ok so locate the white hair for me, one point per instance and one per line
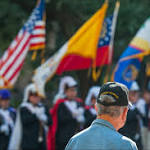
(113, 111)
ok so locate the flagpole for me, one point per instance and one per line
(115, 16)
(111, 45)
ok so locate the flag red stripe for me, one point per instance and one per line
(35, 44)
(39, 27)
(38, 35)
(15, 59)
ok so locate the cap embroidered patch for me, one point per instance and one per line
(111, 93)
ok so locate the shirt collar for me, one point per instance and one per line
(104, 123)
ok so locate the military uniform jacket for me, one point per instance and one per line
(101, 135)
(4, 137)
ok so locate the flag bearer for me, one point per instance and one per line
(67, 113)
(31, 123)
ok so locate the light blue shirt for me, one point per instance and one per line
(101, 135)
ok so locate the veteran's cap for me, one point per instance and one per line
(118, 92)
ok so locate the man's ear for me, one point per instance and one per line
(96, 108)
(124, 115)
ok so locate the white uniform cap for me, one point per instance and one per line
(93, 91)
(30, 88)
(134, 86)
(67, 80)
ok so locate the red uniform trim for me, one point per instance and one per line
(53, 128)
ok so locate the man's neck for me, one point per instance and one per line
(111, 120)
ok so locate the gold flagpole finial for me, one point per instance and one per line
(118, 4)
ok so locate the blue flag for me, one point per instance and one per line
(129, 63)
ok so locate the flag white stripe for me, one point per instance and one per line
(19, 48)
(17, 63)
(37, 40)
(38, 31)
(40, 23)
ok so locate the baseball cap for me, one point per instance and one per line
(4, 94)
(119, 93)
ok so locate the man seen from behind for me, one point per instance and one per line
(112, 107)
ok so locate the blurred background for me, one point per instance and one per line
(63, 18)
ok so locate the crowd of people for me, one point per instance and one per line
(32, 126)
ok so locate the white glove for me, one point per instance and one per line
(81, 119)
(5, 129)
(78, 114)
(42, 117)
(137, 136)
(75, 114)
(81, 110)
(39, 110)
(40, 113)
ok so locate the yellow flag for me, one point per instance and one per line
(84, 41)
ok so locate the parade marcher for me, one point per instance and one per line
(143, 106)
(67, 114)
(90, 112)
(7, 118)
(132, 128)
(32, 120)
(112, 106)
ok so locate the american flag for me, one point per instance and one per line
(31, 34)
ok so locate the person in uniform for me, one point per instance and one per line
(132, 128)
(90, 112)
(143, 105)
(67, 114)
(7, 118)
(33, 121)
(112, 107)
